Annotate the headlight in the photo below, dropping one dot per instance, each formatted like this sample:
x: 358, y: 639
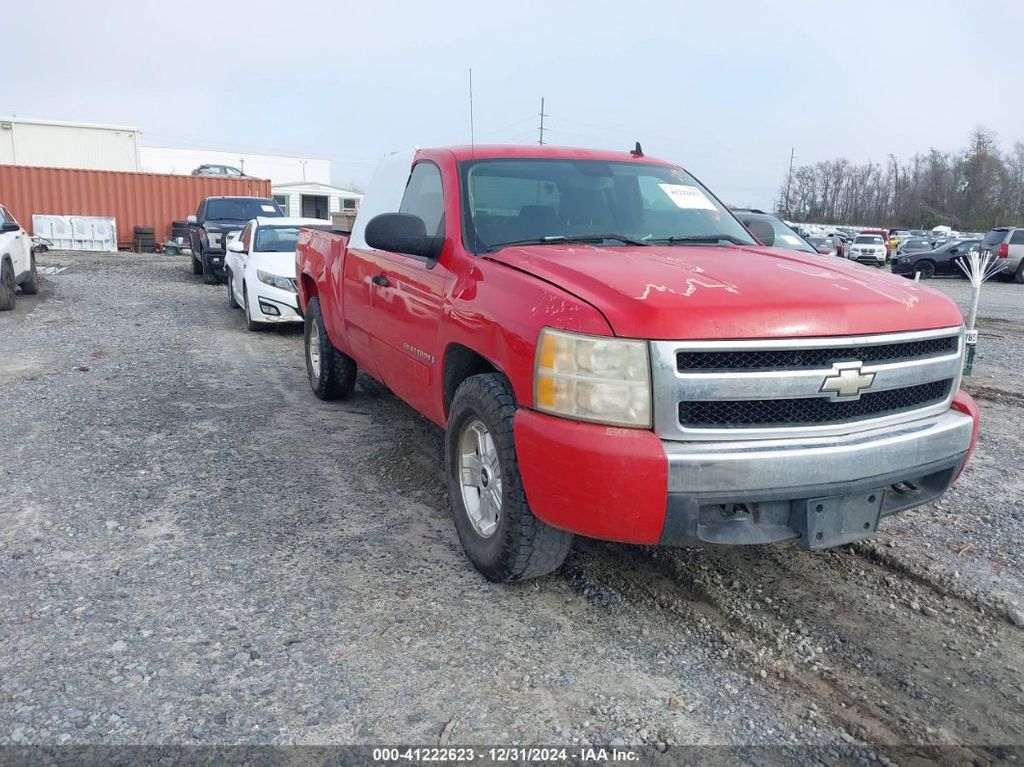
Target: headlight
x: 593, y: 378
x: 274, y: 281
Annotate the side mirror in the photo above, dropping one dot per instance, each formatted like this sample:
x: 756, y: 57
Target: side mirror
x: 402, y: 233
x: 192, y: 219
x: 236, y: 246
x: 762, y: 230
x: 10, y: 226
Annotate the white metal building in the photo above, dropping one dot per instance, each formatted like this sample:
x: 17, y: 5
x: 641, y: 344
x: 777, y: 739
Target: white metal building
x: 313, y: 200
x: 58, y: 144
x: 277, y: 168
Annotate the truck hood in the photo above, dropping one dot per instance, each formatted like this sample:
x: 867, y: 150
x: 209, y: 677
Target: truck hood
x: 706, y: 292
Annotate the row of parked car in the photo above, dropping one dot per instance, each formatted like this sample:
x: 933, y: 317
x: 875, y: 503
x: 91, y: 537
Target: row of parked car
x: 249, y: 243
x: 909, y: 252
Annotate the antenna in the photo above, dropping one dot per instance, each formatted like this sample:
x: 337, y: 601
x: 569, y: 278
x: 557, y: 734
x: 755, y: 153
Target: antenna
x: 542, y: 116
x: 637, y: 151
x: 472, y: 142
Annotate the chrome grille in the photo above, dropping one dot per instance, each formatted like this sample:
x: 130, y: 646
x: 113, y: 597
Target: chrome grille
x: 796, y: 359
x: 777, y: 388
x: 811, y: 410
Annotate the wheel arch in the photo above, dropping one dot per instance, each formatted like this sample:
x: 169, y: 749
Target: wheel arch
x: 459, y: 363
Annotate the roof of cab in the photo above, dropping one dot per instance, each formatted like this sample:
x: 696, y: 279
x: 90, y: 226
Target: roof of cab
x: 534, y: 151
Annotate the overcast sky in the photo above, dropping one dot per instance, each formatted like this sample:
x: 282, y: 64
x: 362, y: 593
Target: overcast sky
x: 724, y: 89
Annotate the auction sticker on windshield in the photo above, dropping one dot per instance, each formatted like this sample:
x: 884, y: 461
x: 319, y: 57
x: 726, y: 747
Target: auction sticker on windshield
x: 268, y: 208
x: 687, y: 197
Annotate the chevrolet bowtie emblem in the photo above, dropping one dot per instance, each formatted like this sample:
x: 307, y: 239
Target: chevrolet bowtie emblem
x: 846, y: 381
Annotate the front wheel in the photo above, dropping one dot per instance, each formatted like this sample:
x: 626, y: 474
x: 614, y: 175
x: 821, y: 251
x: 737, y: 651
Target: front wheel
x: 31, y: 286
x: 6, y: 286
x: 232, y: 301
x: 209, y: 274
x: 499, y: 533
x: 331, y: 373
x: 926, y: 269
x: 250, y: 323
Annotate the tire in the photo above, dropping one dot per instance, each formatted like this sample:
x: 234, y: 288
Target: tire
x: 31, y: 286
x: 197, y: 265
x: 6, y: 286
x: 232, y: 301
x: 250, y: 323
x: 209, y: 276
x: 331, y: 373
x: 507, y: 543
x: 1018, y: 276
x: 925, y: 268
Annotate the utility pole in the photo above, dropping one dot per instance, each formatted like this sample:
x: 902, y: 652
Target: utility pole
x: 789, y: 180
x: 542, y: 116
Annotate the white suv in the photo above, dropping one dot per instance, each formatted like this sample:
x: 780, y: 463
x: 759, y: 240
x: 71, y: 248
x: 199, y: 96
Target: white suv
x: 17, y: 261
x: 868, y: 249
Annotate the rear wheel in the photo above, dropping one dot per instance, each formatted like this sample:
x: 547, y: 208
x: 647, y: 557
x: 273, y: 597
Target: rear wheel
x: 331, y: 373
x: 1018, y: 276
x: 31, y: 286
x: 6, y: 286
x: 925, y: 268
x: 499, y: 533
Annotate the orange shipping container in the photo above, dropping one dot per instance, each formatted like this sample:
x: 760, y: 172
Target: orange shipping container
x: 132, y: 199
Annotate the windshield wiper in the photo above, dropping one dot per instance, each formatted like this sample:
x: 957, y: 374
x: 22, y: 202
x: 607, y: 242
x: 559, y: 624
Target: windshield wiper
x: 560, y: 239
x: 701, y: 239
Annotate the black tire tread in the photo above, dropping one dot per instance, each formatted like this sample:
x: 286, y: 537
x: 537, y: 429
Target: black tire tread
x: 232, y: 301
x: 1018, y: 276
x: 250, y: 324
x: 31, y: 286
x: 7, y: 300
x: 338, y: 371
x: 529, y: 548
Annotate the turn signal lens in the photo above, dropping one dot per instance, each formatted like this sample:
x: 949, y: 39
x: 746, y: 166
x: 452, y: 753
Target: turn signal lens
x: 593, y: 378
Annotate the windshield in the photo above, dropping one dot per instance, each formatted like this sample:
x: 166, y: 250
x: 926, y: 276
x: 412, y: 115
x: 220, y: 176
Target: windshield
x: 522, y: 200
x: 281, y: 239
x: 785, y: 237
x: 240, y: 208
x: 868, y: 239
x: 917, y: 245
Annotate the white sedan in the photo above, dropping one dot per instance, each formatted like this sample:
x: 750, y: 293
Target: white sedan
x: 260, y: 267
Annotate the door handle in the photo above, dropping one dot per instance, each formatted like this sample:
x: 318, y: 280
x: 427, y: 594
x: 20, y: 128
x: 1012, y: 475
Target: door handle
x: 380, y: 280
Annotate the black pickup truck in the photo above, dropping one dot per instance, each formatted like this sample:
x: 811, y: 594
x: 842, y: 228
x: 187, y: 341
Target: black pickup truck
x: 215, y: 219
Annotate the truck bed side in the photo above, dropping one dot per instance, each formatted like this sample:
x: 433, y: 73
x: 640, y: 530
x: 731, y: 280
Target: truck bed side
x: 319, y: 260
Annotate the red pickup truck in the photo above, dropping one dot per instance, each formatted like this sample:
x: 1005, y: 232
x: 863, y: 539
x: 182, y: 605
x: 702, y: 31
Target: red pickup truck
x: 612, y: 354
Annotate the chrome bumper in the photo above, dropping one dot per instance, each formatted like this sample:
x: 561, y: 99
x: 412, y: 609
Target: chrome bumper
x: 768, y: 466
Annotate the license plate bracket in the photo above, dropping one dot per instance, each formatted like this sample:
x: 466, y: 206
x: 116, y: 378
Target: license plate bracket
x: 838, y: 519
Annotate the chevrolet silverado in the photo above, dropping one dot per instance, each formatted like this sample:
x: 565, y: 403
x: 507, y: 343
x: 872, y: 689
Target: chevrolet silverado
x: 611, y: 353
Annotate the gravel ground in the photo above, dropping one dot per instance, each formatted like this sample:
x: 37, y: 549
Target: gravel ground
x: 195, y: 550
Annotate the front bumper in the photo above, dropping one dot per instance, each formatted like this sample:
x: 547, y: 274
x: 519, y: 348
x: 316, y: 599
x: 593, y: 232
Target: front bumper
x: 628, y: 485
x: 270, y: 304
x: 868, y: 258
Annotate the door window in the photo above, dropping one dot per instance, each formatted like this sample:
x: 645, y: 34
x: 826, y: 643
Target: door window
x: 424, y: 197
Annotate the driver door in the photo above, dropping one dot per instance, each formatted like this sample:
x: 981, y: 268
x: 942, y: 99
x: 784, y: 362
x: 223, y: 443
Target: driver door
x: 405, y: 297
